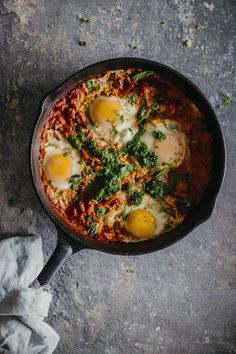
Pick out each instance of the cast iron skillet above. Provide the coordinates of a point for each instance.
(68, 241)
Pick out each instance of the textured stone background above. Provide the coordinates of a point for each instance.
(181, 299)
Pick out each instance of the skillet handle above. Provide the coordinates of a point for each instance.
(62, 251)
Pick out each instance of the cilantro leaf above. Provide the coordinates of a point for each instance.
(142, 117)
(84, 20)
(91, 85)
(159, 135)
(142, 75)
(82, 43)
(91, 227)
(226, 101)
(74, 181)
(74, 142)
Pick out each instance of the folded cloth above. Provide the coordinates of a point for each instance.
(23, 309)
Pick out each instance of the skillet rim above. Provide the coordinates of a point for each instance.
(190, 223)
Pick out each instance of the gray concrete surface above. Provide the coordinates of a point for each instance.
(181, 299)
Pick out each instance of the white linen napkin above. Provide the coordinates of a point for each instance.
(23, 309)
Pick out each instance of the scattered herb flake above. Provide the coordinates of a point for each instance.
(92, 126)
(162, 173)
(162, 99)
(74, 181)
(129, 270)
(159, 135)
(82, 43)
(124, 215)
(74, 142)
(198, 26)
(167, 210)
(142, 117)
(50, 25)
(136, 197)
(142, 75)
(49, 182)
(162, 22)
(131, 99)
(84, 20)
(100, 212)
(132, 46)
(188, 43)
(23, 210)
(66, 153)
(114, 130)
(91, 227)
(120, 116)
(91, 86)
(226, 101)
(183, 204)
(154, 106)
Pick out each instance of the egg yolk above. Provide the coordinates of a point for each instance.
(57, 168)
(140, 223)
(104, 110)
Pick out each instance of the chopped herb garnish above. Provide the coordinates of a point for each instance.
(159, 187)
(82, 43)
(142, 117)
(161, 98)
(159, 135)
(124, 215)
(49, 182)
(183, 204)
(187, 43)
(66, 153)
(198, 26)
(226, 101)
(23, 210)
(91, 86)
(162, 173)
(92, 126)
(100, 212)
(145, 156)
(107, 180)
(129, 270)
(91, 227)
(84, 20)
(74, 142)
(167, 210)
(120, 117)
(74, 181)
(131, 99)
(90, 145)
(136, 197)
(114, 130)
(154, 106)
(132, 46)
(142, 75)
(130, 130)
(50, 25)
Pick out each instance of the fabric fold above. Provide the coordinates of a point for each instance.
(23, 309)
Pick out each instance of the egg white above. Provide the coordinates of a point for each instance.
(61, 146)
(125, 126)
(154, 207)
(173, 148)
